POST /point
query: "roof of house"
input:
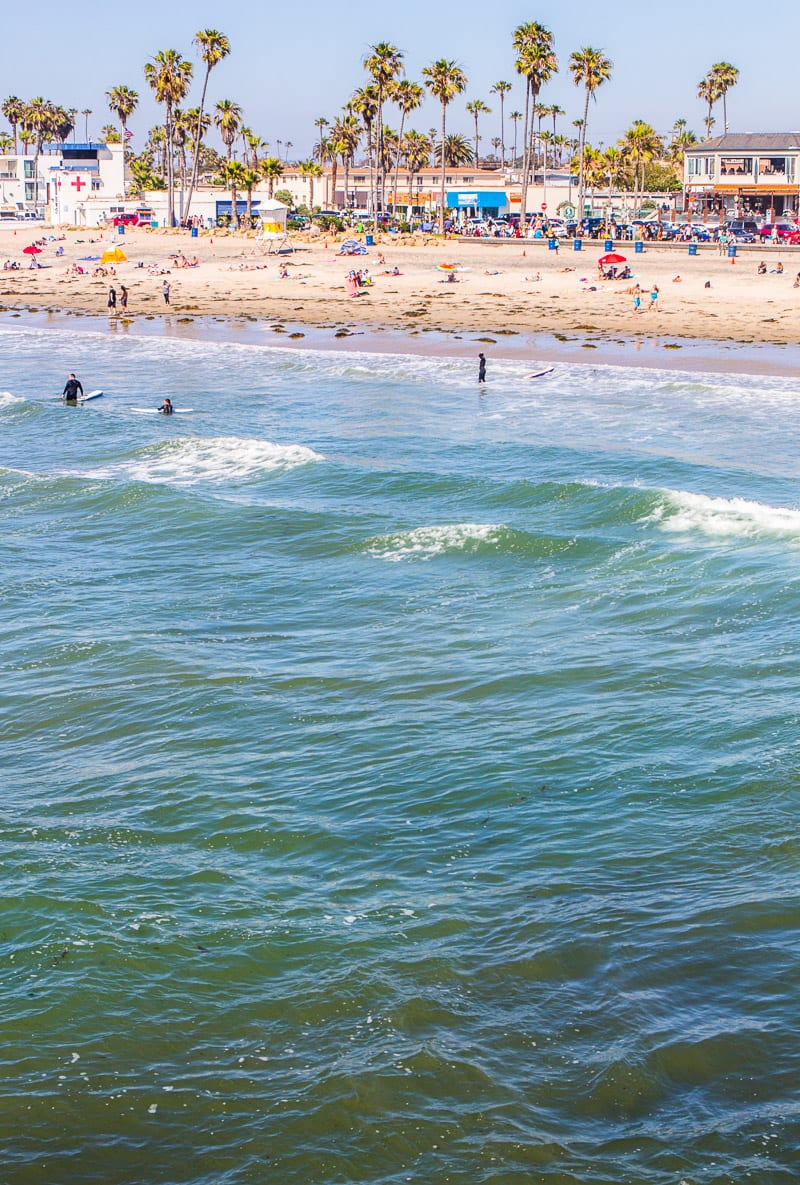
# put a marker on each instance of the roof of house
(749, 142)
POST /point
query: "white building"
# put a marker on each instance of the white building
(77, 184)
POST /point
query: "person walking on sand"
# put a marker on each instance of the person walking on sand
(112, 300)
(653, 299)
(165, 290)
(481, 368)
(123, 297)
(637, 299)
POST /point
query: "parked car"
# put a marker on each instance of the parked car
(786, 232)
(737, 225)
(125, 220)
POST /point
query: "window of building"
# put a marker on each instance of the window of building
(772, 166)
(735, 166)
(359, 180)
(28, 168)
(467, 180)
(96, 184)
(30, 194)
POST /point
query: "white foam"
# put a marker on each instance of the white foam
(424, 543)
(7, 399)
(219, 458)
(683, 512)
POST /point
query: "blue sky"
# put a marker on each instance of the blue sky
(292, 63)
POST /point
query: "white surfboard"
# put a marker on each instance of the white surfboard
(537, 374)
(153, 411)
(91, 395)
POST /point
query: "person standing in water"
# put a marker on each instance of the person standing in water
(123, 297)
(166, 408)
(71, 389)
(112, 300)
(165, 290)
(481, 368)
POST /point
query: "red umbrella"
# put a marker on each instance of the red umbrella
(612, 257)
(32, 250)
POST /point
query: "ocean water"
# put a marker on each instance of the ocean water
(399, 778)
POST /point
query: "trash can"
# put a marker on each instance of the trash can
(552, 244)
(693, 248)
(608, 245)
(638, 247)
(154, 225)
(370, 241)
(576, 244)
(731, 250)
(194, 232)
(121, 229)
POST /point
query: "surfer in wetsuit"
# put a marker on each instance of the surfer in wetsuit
(71, 389)
(166, 408)
(481, 368)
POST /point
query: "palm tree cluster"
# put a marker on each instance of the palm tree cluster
(715, 86)
(362, 121)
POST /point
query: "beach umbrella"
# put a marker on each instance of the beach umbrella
(447, 267)
(115, 255)
(32, 250)
(613, 257)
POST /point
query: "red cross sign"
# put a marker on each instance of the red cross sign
(78, 184)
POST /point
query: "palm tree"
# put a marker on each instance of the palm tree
(271, 169)
(254, 142)
(457, 151)
(444, 79)
(13, 109)
(365, 103)
(182, 127)
(590, 68)
(515, 117)
(310, 170)
(236, 178)
(536, 62)
(249, 179)
(214, 46)
(286, 148)
(384, 63)
(109, 134)
(708, 91)
(725, 76)
(345, 136)
(501, 89)
(38, 120)
(321, 122)
(228, 118)
(641, 144)
(169, 76)
(408, 97)
(122, 102)
(6, 143)
(87, 111)
(475, 108)
(417, 150)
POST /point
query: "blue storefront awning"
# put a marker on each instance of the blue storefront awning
(224, 208)
(479, 199)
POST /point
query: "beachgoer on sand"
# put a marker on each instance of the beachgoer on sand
(123, 296)
(112, 299)
(165, 290)
(653, 299)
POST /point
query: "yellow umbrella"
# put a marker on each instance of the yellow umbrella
(114, 255)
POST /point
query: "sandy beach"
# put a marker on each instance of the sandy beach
(502, 288)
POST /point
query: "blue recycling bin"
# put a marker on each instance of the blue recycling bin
(370, 241)
(731, 250)
(120, 229)
(576, 244)
(608, 245)
(194, 232)
(638, 247)
(552, 244)
(693, 248)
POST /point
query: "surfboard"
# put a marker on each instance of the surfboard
(537, 374)
(153, 411)
(91, 395)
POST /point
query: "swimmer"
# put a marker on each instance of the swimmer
(166, 408)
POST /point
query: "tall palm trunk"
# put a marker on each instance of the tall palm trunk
(523, 212)
(444, 166)
(197, 137)
(397, 160)
(582, 163)
(170, 167)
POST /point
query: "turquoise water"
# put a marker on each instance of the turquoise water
(400, 780)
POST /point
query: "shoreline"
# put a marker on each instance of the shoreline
(513, 299)
(701, 355)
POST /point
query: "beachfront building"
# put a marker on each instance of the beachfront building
(471, 191)
(744, 174)
(73, 183)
